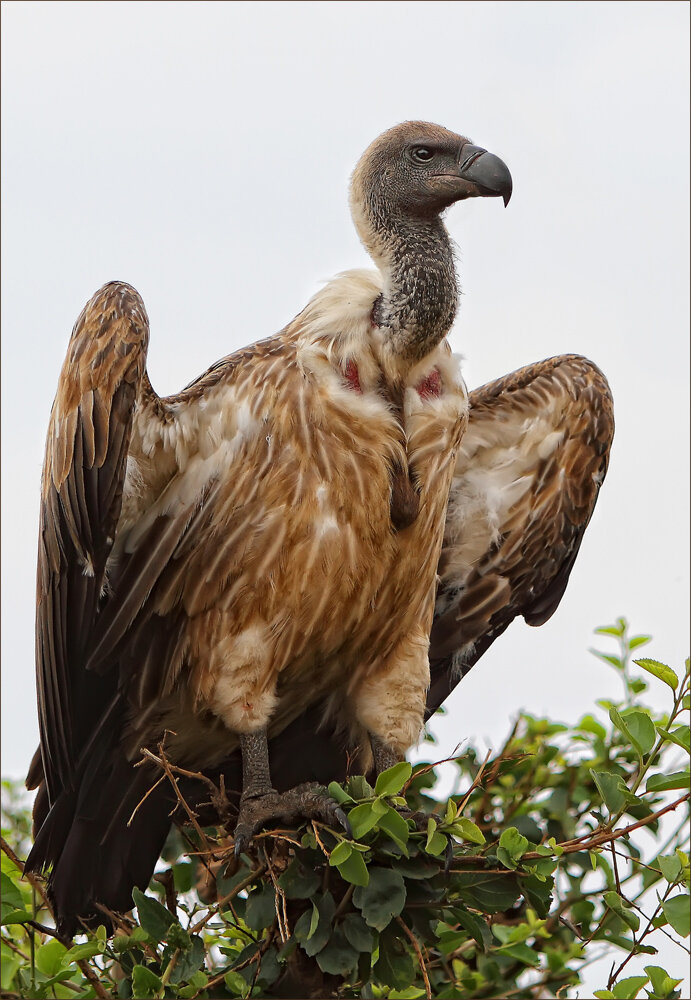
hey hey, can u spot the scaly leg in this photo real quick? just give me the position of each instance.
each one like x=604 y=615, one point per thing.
x=260 y=803
x=384 y=755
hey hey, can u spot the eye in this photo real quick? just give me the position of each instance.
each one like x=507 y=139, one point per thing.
x=422 y=154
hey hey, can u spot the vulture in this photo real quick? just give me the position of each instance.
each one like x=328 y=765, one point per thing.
x=282 y=570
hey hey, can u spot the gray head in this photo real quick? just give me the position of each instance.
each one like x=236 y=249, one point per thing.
x=417 y=170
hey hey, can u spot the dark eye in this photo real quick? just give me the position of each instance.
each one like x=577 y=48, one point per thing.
x=422 y=154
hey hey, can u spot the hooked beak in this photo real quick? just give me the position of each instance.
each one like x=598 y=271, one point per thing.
x=482 y=174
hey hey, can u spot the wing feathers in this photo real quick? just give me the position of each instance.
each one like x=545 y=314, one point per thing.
x=527 y=479
x=86 y=452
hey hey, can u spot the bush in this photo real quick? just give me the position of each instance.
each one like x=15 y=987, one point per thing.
x=505 y=890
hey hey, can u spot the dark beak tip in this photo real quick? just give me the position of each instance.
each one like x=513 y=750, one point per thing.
x=506 y=198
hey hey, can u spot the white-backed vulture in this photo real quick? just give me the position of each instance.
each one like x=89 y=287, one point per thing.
x=257 y=556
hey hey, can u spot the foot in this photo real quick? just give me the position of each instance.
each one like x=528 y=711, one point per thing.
x=309 y=801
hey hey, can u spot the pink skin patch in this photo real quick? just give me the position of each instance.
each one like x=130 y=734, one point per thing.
x=352 y=376
x=430 y=385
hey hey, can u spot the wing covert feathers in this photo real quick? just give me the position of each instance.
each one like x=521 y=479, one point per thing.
x=527 y=478
x=83 y=475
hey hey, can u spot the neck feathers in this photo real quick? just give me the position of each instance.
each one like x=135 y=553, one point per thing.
x=420 y=295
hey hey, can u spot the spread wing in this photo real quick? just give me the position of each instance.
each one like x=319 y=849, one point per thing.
x=83 y=474
x=527 y=478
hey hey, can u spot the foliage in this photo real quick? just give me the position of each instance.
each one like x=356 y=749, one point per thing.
x=505 y=890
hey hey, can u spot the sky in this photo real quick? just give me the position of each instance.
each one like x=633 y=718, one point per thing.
x=202 y=151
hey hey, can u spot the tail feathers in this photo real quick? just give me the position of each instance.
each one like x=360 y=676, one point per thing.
x=93 y=856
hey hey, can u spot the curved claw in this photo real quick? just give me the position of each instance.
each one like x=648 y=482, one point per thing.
x=449 y=857
x=343 y=820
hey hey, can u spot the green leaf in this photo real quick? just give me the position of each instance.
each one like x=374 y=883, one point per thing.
x=177 y=937
x=236 y=984
x=338 y=957
x=145 y=983
x=391 y=781
x=589 y=724
x=522 y=953
x=338 y=793
x=184 y=876
x=359 y=787
x=616 y=630
x=260 y=911
x=660 y=981
x=679 y=736
x=14 y=916
x=49 y=957
x=659 y=670
x=626 y=989
x=678 y=913
x=314 y=922
x=80 y=951
x=465 y=829
x=340 y=853
x=614 y=901
x=362 y=819
x=357 y=933
x=190 y=961
x=354 y=869
x=614 y=661
x=641 y=729
x=154 y=918
x=671 y=867
x=603 y=995
x=612 y=789
x=392 y=822
x=514 y=843
x=487 y=891
x=269 y=968
x=475 y=926
x=11 y=896
x=313 y=937
x=298 y=881
x=639 y=640
x=436 y=842
x=382 y=899
x=394 y=966
x=665 y=782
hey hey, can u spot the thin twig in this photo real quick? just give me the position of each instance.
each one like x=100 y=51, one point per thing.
x=31 y=878
x=252 y=877
x=319 y=841
x=281 y=911
x=475 y=783
x=613 y=976
x=144 y=798
x=616 y=868
x=421 y=961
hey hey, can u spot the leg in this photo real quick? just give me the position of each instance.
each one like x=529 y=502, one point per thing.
x=256 y=777
x=261 y=804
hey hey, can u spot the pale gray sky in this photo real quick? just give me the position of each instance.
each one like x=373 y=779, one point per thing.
x=201 y=151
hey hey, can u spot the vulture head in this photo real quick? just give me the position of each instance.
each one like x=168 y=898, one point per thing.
x=417 y=170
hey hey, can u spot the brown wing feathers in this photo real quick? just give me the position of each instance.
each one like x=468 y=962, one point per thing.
x=524 y=564
x=83 y=475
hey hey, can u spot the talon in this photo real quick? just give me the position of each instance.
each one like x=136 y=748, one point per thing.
x=343 y=820
x=449 y=857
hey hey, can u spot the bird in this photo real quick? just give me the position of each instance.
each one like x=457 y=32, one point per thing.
x=286 y=566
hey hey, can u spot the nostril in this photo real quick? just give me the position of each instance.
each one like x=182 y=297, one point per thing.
x=472 y=157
